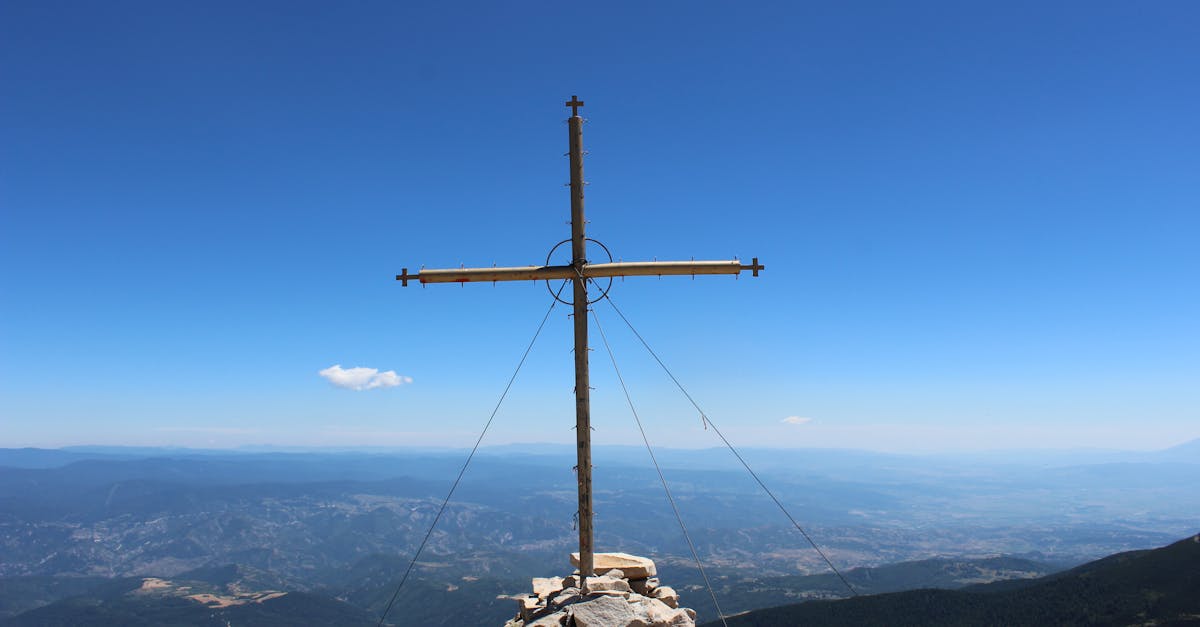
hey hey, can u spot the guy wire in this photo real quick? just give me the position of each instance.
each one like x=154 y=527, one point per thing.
x=661 y=478
x=710 y=423
x=475 y=448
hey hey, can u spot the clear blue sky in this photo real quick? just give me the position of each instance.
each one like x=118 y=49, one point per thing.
x=980 y=221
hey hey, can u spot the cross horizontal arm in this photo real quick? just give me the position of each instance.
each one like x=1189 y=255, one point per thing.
x=589 y=271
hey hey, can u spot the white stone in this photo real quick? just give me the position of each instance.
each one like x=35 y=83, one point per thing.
x=547 y=586
x=657 y=614
x=632 y=566
x=605 y=611
x=604 y=582
x=667 y=595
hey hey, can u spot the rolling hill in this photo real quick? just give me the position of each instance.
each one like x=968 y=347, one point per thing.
x=209 y=597
x=1154 y=587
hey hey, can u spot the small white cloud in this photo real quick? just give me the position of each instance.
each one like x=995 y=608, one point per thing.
x=360 y=378
x=796 y=420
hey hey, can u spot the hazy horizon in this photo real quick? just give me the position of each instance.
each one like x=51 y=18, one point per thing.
x=568 y=447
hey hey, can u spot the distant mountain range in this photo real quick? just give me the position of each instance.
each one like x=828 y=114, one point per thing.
x=82 y=530
x=1155 y=587
x=709 y=459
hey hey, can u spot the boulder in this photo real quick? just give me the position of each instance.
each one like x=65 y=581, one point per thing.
x=604 y=582
x=616 y=573
x=667 y=595
x=557 y=619
x=527 y=606
x=566 y=597
x=657 y=614
x=605 y=611
x=632 y=566
x=547 y=586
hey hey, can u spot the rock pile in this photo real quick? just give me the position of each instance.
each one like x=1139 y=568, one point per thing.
x=623 y=593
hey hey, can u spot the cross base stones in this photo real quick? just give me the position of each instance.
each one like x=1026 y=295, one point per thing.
x=624 y=596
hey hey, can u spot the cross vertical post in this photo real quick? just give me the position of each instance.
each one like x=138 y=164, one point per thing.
x=583 y=409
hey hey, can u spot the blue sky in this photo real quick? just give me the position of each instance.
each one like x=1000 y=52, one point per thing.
x=979 y=221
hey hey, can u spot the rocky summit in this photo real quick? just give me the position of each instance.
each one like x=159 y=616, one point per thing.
x=623 y=593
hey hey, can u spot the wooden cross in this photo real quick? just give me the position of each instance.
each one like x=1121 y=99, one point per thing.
x=580 y=271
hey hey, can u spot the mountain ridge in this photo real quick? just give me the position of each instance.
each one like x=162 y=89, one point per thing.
x=1134 y=587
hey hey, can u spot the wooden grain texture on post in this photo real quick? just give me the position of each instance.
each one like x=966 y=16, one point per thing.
x=583 y=396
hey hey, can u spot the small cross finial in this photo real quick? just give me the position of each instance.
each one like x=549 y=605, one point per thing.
x=754 y=266
x=574 y=103
x=404 y=277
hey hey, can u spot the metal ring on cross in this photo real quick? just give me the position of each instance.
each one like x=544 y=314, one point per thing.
x=610 y=279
